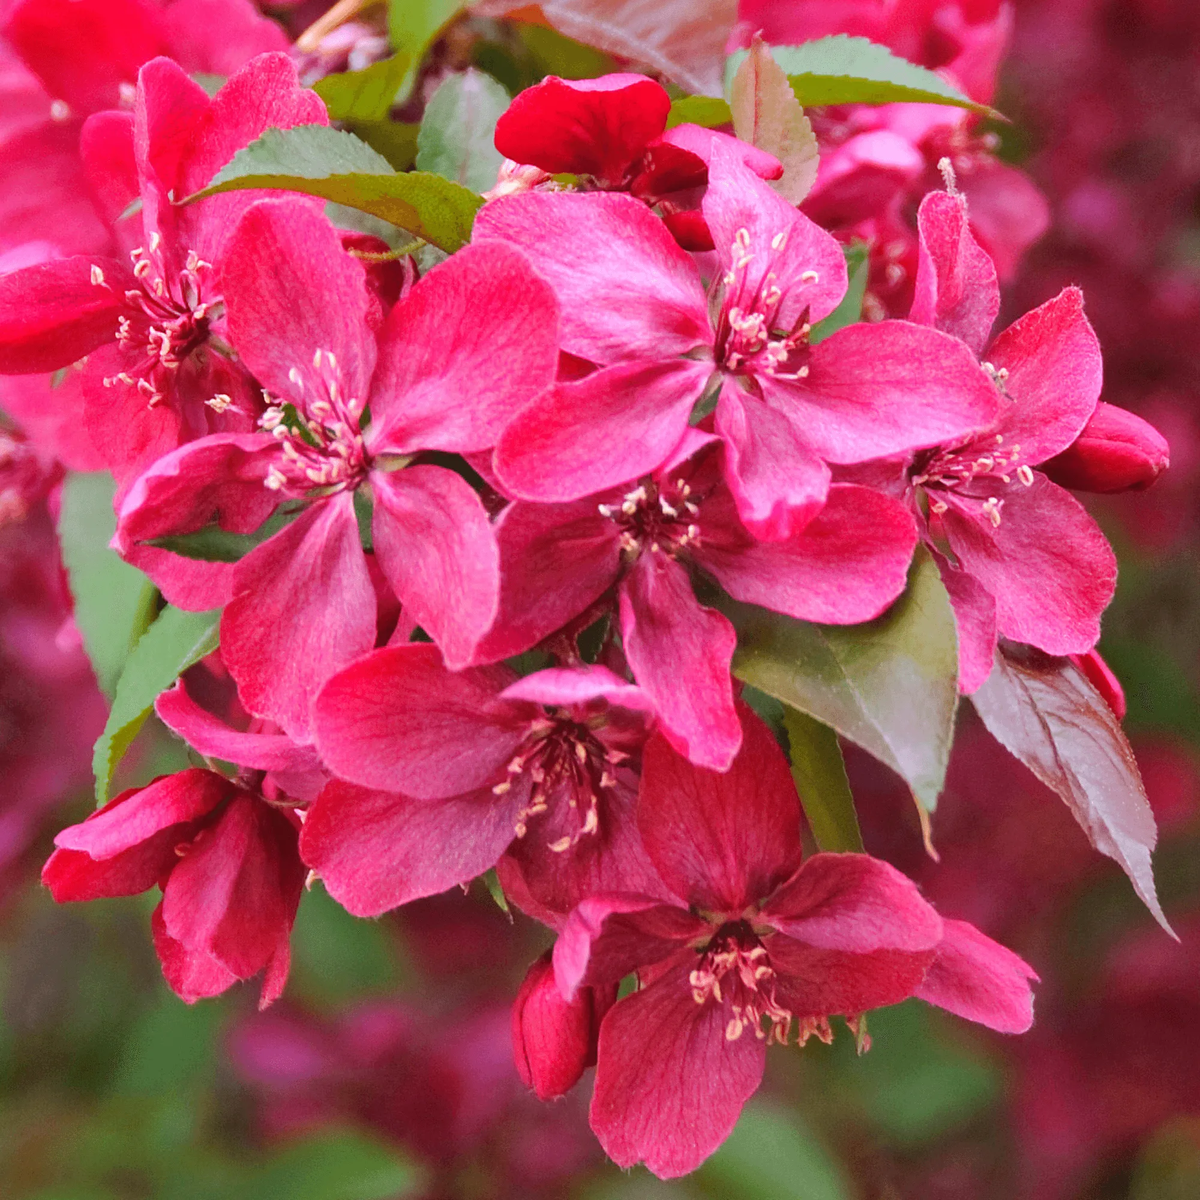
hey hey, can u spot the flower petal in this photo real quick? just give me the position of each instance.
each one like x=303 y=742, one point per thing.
x=974 y=621
x=191 y=974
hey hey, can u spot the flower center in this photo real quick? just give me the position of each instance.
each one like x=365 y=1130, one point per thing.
x=163 y=321
x=735 y=967
x=751 y=337
x=655 y=516
x=955 y=469
x=320 y=436
x=563 y=758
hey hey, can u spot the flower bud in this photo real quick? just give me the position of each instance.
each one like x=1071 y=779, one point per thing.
x=1116 y=452
x=1100 y=675
x=554 y=1040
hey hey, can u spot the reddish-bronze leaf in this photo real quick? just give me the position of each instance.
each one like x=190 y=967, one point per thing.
x=1046 y=713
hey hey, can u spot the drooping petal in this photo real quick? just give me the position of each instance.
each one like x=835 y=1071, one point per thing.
x=879 y=390
x=555 y=560
x=474 y=342
x=377 y=850
x=680 y=653
x=191 y=974
x=53 y=313
x=608 y=936
x=779 y=484
x=1055 y=373
x=436 y=546
x=1047 y=564
x=853 y=902
x=237 y=888
x=956 y=287
x=977 y=978
x=591 y=127
x=974 y=621
x=628 y=292
x=634 y=418
x=290 y=291
x=807 y=263
x=304 y=607
x=210 y=736
x=397 y=719
x=721 y=841
x=669 y=1084
x=600 y=431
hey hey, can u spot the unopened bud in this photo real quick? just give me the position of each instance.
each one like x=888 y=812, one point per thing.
x=1116 y=452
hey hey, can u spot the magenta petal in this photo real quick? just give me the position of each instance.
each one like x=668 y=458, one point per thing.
x=1047 y=564
x=680 y=653
x=956 y=287
x=627 y=291
x=855 y=903
x=974 y=621
x=669 y=1085
x=587 y=127
x=210 y=736
x=721 y=841
x=304 y=607
x=778 y=482
x=397 y=719
x=291 y=290
x=53 y=313
x=577 y=685
x=1055 y=374
x=976 y=978
x=879 y=390
x=191 y=974
x=377 y=850
x=106 y=149
x=235 y=891
x=470 y=345
x=600 y=431
x=698 y=141
x=435 y=544
x=218 y=36
x=806 y=262
x=555 y=560
x=845 y=566
x=608 y=936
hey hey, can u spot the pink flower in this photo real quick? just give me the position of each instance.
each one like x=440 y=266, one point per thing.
x=152 y=328
x=751 y=937
x=558 y=560
x=448 y=771
x=1028 y=562
x=634 y=304
x=473 y=341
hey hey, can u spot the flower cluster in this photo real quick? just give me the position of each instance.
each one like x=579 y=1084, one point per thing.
x=494 y=521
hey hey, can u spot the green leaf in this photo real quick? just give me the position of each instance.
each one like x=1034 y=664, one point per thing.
x=555 y=54
x=214 y=544
x=457 y=131
x=176 y=641
x=855 y=70
x=889 y=685
x=395 y=140
x=767 y=114
x=366 y=95
x=336 y=1165
x=708 y=111
x=820 y=775
x=114 y=602
x=337 y=166
x=858 y=267
x=413 y=26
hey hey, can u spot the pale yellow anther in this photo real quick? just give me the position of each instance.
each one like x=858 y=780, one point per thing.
x=97 y=276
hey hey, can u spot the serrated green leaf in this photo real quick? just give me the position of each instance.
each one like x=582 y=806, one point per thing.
x=413 y=26
x=395 y=140
x=708 y=111
x=177 y=640
x=337 y=166
x=114 y=602
x=458 y=130
x=366 y=95
x=855 y=70
x=889 y=685
x=858 y=268
x=820 y=776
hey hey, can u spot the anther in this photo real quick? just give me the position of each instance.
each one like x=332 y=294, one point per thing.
x=810 y=277
x=97 y=276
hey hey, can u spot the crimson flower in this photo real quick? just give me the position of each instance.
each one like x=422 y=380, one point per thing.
x=1028 y=562
x=448 y=771
x=556 y=560
x=223 y=854
x=753 y=945
x=469 y=344
x=634 y=303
